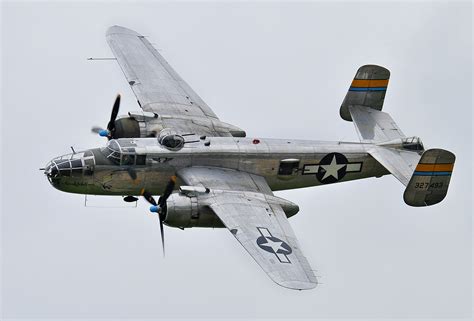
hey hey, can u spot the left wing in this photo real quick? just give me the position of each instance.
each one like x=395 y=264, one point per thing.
x=247 y=207
x=159 y=89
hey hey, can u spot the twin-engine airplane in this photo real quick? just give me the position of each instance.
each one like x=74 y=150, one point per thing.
x=209 y=174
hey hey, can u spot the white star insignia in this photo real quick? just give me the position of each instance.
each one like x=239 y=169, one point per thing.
x=332 y=169
x=275 y=246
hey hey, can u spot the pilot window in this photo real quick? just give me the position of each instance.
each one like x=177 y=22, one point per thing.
x=112 y=151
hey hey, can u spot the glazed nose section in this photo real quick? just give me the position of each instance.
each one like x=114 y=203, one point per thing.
x=51 y=170
x=63 y=166
x=70 y=165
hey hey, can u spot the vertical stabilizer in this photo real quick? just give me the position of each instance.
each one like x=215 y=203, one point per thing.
x=367 y=89
x=430 y=180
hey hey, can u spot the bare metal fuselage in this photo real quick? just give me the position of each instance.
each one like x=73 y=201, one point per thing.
x=264 y=157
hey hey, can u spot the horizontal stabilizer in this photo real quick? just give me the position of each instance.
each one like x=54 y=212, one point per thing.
x=400 y=163
x=374 y=126
x=430 y=180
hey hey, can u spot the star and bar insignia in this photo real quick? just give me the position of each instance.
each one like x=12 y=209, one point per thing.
x=332 y=168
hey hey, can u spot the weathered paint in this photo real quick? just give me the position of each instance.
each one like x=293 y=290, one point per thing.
x=241 y=154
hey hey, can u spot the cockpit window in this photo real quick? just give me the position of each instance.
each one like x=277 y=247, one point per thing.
x=121 y=152
x=112 y=151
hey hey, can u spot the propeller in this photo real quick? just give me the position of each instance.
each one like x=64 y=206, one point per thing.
x=160 y=207
x=109 y=132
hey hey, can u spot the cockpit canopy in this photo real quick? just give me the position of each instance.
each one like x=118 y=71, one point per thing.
x=170 y=140
x=123 y=153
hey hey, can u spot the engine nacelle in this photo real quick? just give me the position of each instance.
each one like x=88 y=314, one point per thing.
x=148 y=124
x=134 y=125
x=126 y=127
x=184 y=211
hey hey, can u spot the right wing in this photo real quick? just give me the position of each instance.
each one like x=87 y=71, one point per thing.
x=246 y=206
x=159 y=89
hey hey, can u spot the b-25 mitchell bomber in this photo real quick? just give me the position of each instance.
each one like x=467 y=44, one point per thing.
x=207 y=173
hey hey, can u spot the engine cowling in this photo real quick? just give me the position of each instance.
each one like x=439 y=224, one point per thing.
x=126 y=127
x=148 y=124
x=185 y=211
x=135 y=125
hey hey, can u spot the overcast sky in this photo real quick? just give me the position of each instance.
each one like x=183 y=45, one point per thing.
x=277 y=70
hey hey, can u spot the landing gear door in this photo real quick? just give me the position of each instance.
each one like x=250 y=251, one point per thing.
x=288 y=168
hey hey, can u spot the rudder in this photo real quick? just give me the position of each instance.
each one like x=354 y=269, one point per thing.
x=430 y=180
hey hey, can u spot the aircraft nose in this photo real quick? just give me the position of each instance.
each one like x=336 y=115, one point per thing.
x=51 y=170
x=75 y=165
x=59 y=166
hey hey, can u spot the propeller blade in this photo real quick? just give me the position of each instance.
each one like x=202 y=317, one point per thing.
x=162 y=231
x=161 y=216
x=160 y=207
x=114 y=114
x=168 y=190
x=96 y=129
x=148 y=197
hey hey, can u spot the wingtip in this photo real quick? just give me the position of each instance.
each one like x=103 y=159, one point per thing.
x=121 y=30
x=298 y=285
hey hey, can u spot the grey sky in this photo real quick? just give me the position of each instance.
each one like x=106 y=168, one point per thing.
x=276 y=70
